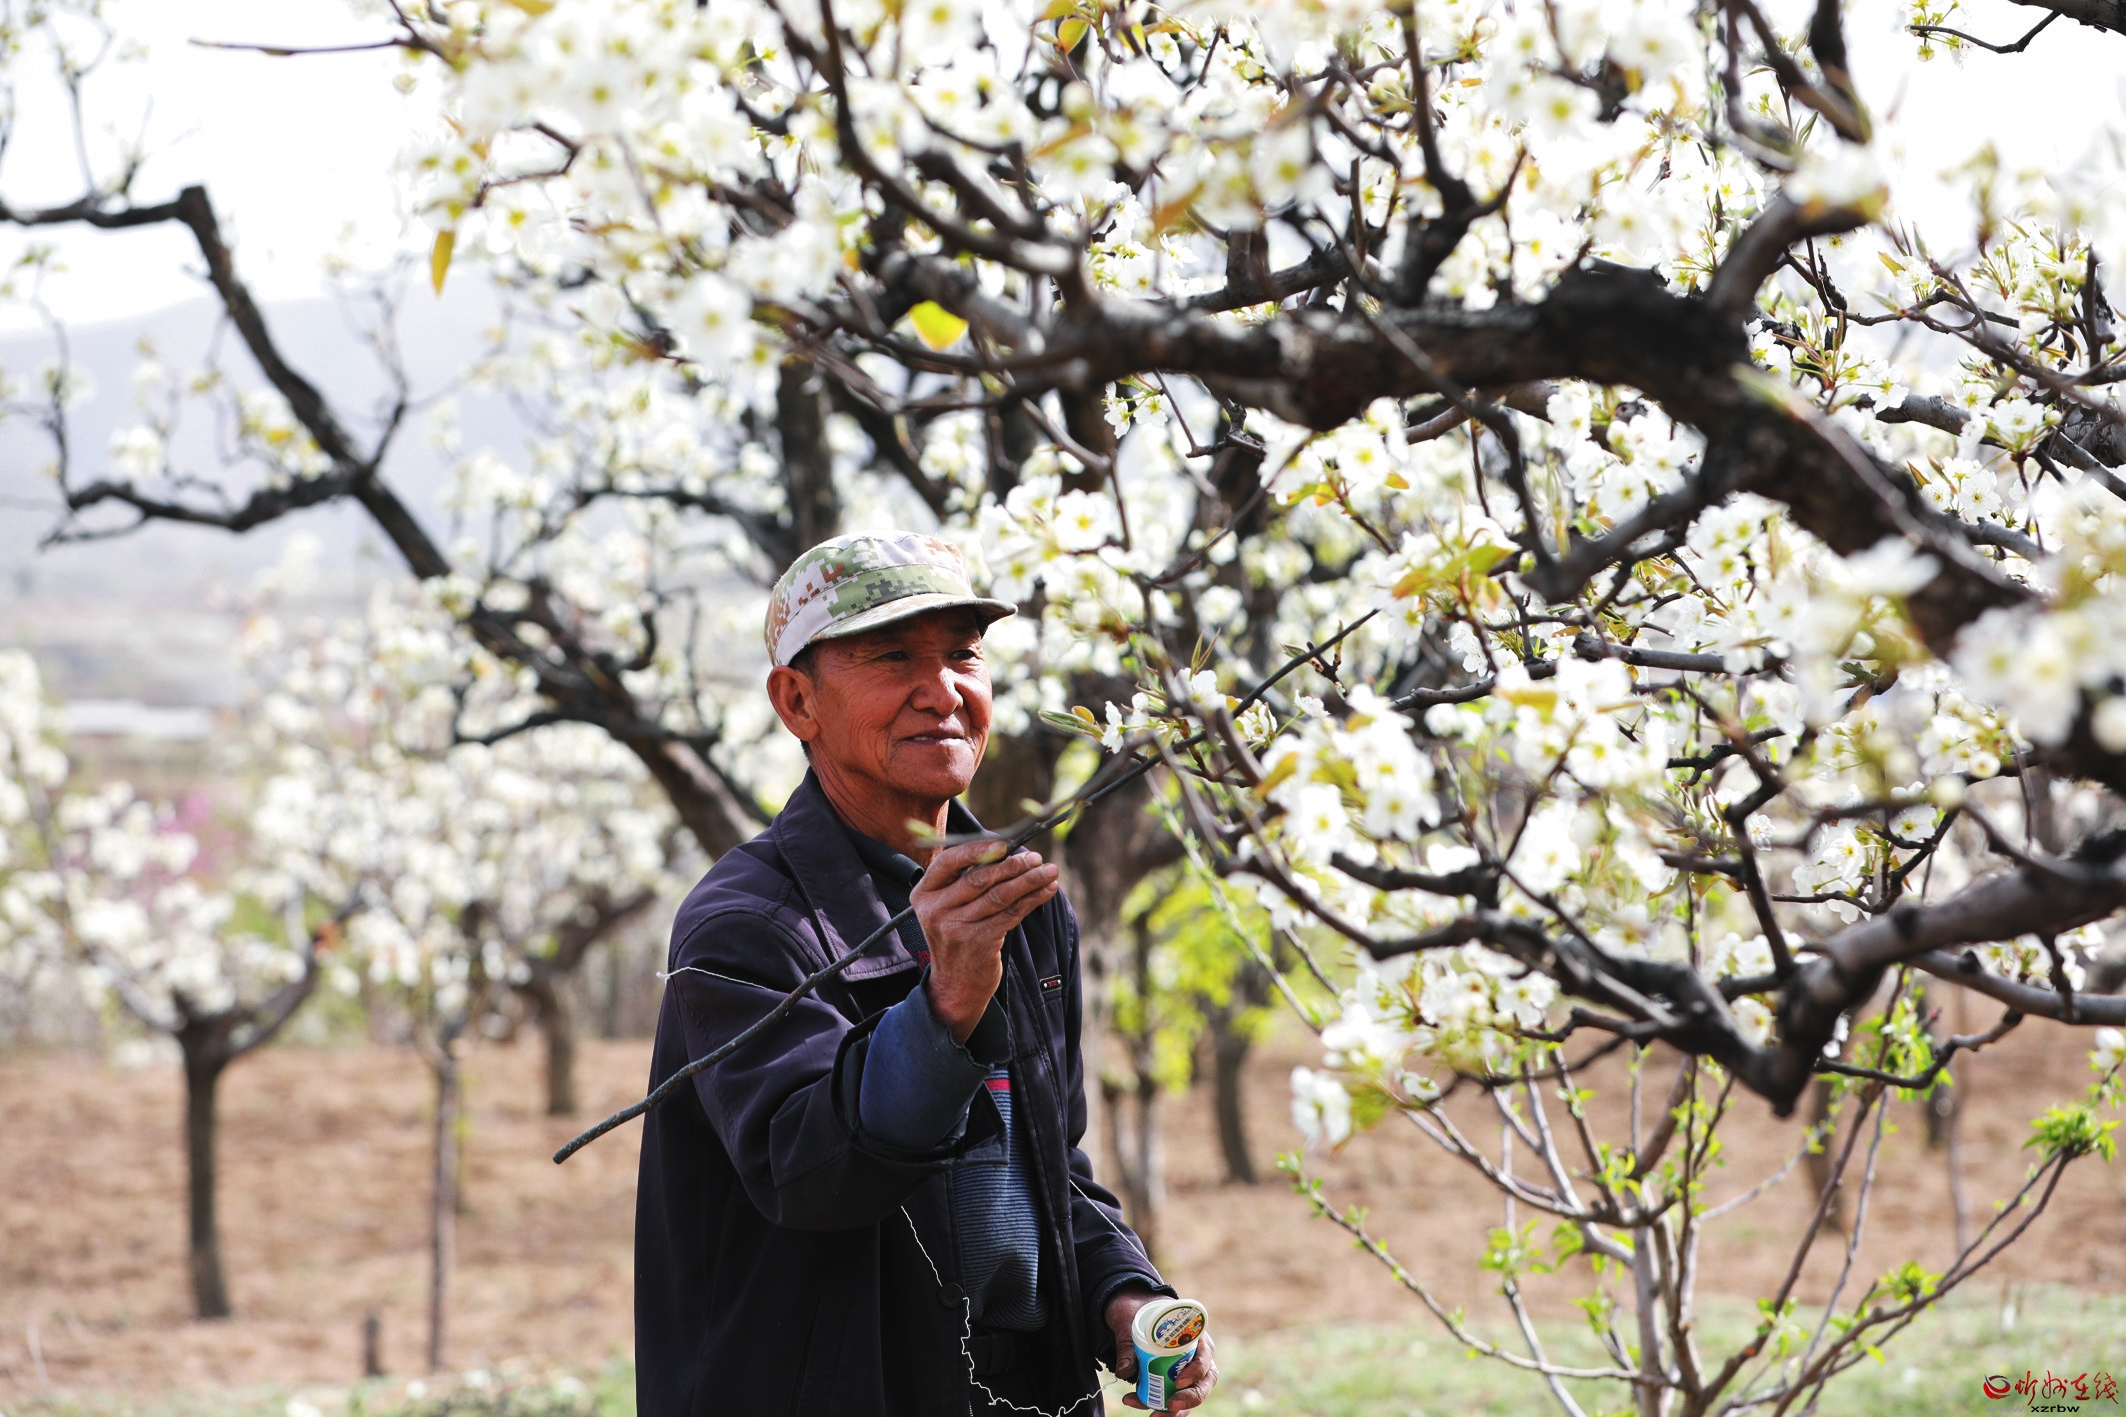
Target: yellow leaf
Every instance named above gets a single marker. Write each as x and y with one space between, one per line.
939 327
533 7
1063 139
1085 716
1543 700
1286 766
439 257
1169 215
1069 33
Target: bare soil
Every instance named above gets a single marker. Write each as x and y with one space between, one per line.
325 1189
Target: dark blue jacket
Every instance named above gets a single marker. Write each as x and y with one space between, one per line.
787 1263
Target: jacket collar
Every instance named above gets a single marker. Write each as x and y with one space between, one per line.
837 884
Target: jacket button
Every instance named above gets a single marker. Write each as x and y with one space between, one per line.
951 1295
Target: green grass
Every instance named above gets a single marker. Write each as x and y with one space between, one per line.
1347 1370
513 1389
1935 1369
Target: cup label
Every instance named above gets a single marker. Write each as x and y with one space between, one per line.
1155 1375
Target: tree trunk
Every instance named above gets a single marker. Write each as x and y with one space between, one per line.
1646 1286
1114 844
557 1022
705 804
203 1070
1014 772
1120 1178
1940 1105
1131 1111
1229 1056
1231 1041
1956 1082
443 1210
1148 1196
549 990
808 463
558 1025
609 1006
209 1043
1138 1153
553 984
1819 1160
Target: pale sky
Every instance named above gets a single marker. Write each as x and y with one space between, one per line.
297 151
293 151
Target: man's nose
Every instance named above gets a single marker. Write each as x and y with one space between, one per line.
937 690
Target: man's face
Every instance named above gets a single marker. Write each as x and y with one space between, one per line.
902 710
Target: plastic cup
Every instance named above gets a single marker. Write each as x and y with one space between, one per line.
1165 1333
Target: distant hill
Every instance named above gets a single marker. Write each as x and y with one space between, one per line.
136 618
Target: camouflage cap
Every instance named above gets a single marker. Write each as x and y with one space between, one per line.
856 583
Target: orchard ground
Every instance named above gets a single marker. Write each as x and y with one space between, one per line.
325 1187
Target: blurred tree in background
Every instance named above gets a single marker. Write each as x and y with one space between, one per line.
107 890
473 869
1188 999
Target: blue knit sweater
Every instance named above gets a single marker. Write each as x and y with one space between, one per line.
917 1087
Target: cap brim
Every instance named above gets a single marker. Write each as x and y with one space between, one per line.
908 606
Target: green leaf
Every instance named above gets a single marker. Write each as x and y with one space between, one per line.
2072 1131
1079 721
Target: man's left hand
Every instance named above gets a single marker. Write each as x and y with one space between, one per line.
1191 1384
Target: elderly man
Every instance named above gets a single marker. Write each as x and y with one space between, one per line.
879 1206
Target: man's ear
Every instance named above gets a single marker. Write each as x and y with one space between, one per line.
796 698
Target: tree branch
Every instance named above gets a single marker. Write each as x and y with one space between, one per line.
2106 15
1763 245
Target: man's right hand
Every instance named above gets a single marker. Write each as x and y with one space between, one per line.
967 902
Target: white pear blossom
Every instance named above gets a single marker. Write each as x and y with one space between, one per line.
1321 1109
